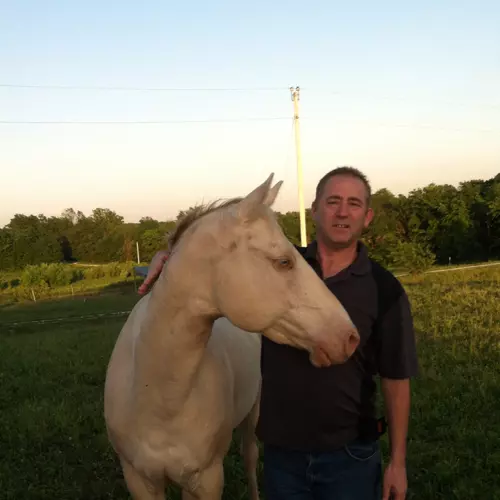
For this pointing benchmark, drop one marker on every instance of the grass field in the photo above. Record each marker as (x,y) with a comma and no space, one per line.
(52,439)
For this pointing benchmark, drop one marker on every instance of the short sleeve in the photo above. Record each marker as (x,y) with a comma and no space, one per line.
(396,344)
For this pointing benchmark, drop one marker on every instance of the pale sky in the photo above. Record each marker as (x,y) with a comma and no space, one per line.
(407,92)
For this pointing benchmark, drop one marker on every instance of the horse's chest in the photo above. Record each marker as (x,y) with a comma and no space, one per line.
(183,466)
(183,452)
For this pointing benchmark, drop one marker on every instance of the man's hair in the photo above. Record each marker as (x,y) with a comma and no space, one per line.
(353,172)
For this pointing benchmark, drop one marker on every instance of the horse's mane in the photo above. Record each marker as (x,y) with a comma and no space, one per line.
(192,215)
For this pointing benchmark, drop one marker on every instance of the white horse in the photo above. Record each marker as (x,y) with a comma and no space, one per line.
(185,370)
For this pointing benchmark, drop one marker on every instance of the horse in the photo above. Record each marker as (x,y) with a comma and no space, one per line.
(184,372)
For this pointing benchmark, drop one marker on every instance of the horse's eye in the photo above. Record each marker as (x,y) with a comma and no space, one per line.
(284,263)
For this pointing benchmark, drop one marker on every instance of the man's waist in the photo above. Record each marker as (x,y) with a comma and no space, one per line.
(309,439)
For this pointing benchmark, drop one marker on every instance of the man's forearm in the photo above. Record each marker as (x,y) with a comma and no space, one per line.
(397,404)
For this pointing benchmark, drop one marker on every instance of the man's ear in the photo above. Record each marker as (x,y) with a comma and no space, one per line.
(368,217)
(314,208)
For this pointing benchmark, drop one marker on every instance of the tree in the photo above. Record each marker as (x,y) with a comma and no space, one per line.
(437,221)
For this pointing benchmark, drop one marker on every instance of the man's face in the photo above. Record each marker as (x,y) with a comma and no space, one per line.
(341,213)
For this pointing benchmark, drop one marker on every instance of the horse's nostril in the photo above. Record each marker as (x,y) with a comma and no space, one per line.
(352,344)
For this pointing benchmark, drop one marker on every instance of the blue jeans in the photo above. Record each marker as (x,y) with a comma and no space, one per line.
(353,472)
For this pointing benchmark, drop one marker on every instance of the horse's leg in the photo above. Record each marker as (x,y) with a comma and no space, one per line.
(140,487)
(210,483)
(250,451)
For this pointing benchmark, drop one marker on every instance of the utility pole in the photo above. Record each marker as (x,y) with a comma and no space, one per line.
(295,94)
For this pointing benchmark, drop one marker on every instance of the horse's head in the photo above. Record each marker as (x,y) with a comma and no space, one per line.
(254,276)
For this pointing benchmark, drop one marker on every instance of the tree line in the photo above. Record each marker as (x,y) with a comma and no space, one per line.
(433,224)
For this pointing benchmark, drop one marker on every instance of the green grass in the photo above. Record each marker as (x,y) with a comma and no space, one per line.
(114,298)
(454,433)
(52,438)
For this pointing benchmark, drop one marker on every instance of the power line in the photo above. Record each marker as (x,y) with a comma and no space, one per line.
(145,89)
(423,126)
(234,89)
(138,122)
(394,98)
(243,120)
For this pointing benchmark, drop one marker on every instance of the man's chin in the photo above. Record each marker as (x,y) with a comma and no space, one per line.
(342,243)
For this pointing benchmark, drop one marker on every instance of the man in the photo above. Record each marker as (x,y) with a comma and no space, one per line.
(319,426)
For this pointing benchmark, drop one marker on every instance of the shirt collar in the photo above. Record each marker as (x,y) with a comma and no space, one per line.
(360,266)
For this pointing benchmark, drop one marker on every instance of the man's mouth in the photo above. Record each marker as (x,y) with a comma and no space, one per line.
(341,226)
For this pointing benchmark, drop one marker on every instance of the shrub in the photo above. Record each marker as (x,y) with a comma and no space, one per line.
(32,276)
(50,275)
(4,282)
(94,272)
(15,283)
(57,275)
(413,256)
(113,270)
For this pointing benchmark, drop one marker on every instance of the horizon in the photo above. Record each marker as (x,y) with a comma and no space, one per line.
(282,209)
(409,95)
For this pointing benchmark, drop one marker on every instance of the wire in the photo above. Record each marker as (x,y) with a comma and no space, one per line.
(400,125)
(230,89)
(136,122)
(394,98)
(143,89)
(242,120)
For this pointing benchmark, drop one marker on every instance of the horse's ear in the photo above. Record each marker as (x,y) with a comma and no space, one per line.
(273,193)
(248,206)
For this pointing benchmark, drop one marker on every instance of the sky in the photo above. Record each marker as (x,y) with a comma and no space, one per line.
(406,92)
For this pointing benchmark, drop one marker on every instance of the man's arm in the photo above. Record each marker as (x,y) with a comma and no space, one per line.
(397,363)
(396,395)
(154,270)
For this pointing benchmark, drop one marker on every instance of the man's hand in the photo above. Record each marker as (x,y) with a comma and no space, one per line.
(154,271)
(395,482)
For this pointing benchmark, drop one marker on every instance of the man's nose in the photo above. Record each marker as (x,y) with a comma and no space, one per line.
(342,210)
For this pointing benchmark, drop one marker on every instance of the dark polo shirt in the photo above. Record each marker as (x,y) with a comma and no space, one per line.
(318,409)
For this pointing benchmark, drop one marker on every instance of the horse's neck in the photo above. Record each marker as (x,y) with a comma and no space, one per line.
(169,351)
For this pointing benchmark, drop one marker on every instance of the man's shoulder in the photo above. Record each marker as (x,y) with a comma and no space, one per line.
(389,289)
(383,275)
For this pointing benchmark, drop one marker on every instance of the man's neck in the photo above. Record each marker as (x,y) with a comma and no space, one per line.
(333,260)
